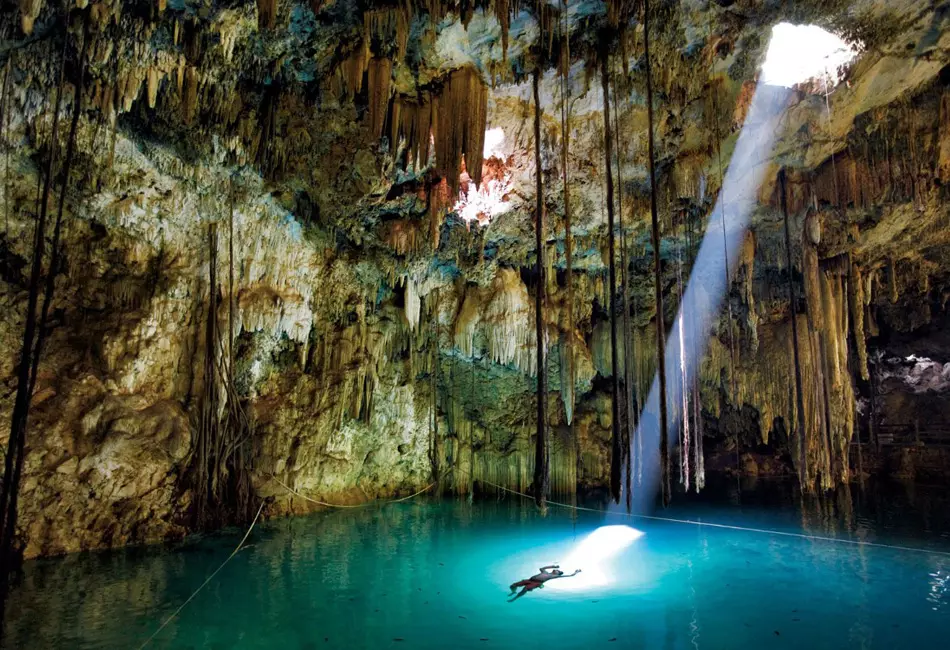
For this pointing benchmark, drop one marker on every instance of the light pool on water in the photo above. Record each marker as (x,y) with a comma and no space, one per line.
(429,574)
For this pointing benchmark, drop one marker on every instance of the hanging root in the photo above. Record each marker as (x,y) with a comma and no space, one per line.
(220,458)
(657,285)
(541,471)
(26,369)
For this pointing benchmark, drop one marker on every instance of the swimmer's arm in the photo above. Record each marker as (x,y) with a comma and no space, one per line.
(544,569)
(566,575)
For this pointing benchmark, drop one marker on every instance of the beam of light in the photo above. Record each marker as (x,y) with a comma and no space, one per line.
(596,557)
(706,288)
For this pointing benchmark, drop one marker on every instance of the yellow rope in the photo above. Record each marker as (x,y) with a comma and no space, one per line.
(207,580)
(358,505)
(630,515)
(248,533)
(553,503)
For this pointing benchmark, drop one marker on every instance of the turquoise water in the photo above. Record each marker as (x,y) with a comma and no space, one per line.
(431,574)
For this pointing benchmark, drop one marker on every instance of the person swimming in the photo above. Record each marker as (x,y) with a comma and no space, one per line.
(537,581)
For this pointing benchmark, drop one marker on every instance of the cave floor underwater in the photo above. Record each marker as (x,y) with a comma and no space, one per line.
(435,574)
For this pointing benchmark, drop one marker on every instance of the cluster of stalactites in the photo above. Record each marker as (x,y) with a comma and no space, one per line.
(453,116)
(350,361)
(502,316)
(470,456)
(100,13)
(621,12)
(29,11)
(905,154)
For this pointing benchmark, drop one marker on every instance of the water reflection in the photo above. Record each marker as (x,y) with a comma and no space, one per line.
(939,585)
(436,575)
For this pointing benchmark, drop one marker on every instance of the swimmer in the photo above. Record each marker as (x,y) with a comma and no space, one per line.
(537,581)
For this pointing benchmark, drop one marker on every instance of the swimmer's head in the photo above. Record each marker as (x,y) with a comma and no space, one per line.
(557,572)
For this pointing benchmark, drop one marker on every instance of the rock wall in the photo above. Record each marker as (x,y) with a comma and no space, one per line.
(378,339)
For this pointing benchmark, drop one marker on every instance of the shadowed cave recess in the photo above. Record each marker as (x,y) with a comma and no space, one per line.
(262,259)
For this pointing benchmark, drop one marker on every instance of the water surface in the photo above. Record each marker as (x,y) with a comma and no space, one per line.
(435,574)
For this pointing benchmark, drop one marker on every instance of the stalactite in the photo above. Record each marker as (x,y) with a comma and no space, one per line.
(792,304)
(892,292)
(943,153)
(189,102)
(154,79)
(460,113)
(657,284)
(29,11)
(821,344)
(856,306)
(388,26)
(541,470)
(455,118)
(266,14)
(353,68)
(439,201)
(412,120)
(616,455)
(505,313)
(503,13)
(380,83)
(811,237)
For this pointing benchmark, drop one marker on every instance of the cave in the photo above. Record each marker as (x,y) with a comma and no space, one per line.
(461,323)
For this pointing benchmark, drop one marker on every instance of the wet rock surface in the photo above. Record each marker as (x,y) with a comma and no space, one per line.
(377,338)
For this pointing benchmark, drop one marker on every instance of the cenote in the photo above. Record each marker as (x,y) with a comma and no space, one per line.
(435,574)
(454,324)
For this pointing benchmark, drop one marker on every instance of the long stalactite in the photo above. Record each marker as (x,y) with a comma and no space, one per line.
(792,307)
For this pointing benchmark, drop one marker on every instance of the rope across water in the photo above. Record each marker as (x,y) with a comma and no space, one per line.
(207,580)
(238,548)
(691,522)
(357,505)
(707,524)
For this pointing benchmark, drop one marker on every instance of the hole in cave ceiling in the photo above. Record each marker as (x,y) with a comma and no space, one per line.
(804,53)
